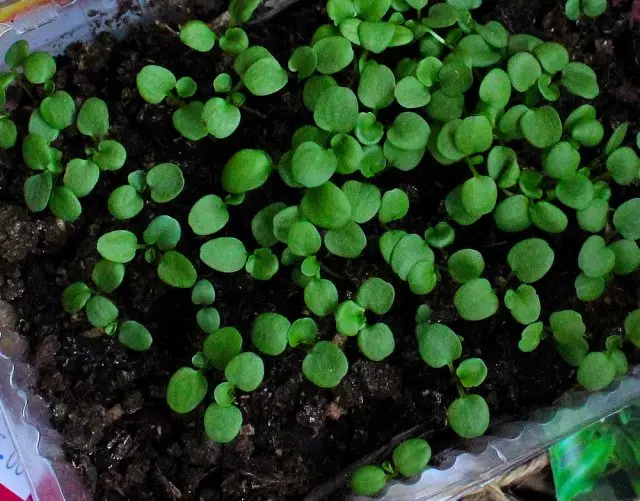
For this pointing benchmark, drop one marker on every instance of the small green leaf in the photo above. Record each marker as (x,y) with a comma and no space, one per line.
(440,236)
(627,255)
(303,61)
(265,77)
(348,241)
(617,138)
(245,371)
(125,202)
(495,88)
(409,131)
(376,342)
(624,165)
(596,371)
(531,259)
(580,80)
(512,214)
(553,56)
(208,319)
(224,254)
(476,300)
(262,264)
(270,333)
(595,258)
(208,215)
(411,249)
(134,336)
(8,133)
(75,297)
(465,265)
(326,206)
(336,110)
(479,195)
(222,424)
(186,87)
(262,224)
(567,326)
(626,219)
(561,161)
(93,118)
(16,53)
(220,118)
(469,416)
(81,176)
(438,344)
(411,93)
(350,318)
(224,394)
(203,293)
(312,165)
(303,239)
(37,191)
(325,365)
(188,121)
(377,85)
(302,331)
(368,480)
(376,295)
(234,41)
(334,54)
(576,191)
(588,288)
(101,311)
(321,297)
(221,346)
(411,456)
(39,67)
(523,303)
(198,36)
(548,217)
(107,275)
(394,206)
(246,170)
(118,246)
(314,88)
(531,337)
(422,277)
(472,372)
(64,204)
(176,270)
(474,135)
(163,232)
(542,126)
(348,152)
(165,181)
(155,83)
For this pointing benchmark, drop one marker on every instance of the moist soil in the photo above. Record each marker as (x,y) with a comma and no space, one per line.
(109,403)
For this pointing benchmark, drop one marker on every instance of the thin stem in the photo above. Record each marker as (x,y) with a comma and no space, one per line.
(602,177)
(472,169)
(456,380)
(439,38)
(165,26)
(253,112)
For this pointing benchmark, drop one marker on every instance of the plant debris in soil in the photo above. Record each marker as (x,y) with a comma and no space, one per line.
(109,403)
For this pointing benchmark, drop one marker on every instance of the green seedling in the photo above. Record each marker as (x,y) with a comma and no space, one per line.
(222,424)
(574,9)
(476,300)
(465,265)
(376,342)
(350,318)
(325,365)
(321,297)
(523,303)
(302,331)
(187,389)
(270,333)
(469,416)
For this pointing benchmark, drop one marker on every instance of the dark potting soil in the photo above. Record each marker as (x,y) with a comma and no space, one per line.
(109,403)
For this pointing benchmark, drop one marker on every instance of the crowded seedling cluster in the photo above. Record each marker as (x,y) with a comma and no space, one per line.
(471,97)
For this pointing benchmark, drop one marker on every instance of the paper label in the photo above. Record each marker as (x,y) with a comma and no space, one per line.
(13,481)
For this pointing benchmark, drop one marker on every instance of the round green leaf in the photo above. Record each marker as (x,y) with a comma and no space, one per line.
(350,318)
(302,331)
(561,161)
(580,80)
(186,87)
(107,275)
(348,241)
(246,170)
(203,293)
(176,270)
(411,93)
(166,182)
(596,371)
(364,199)
(394,206)
(101,311)
(368,480)
(312,165)
(627,255)
(531,337)
(409,250)
(542,126)
(314,88)
(186,390)
(38,67)
(553,56)
(624,165)
(531,259)
(9,133)
(336,110)
(593,218)
(476,300)
(472,372)
(321,297)
(221,346)
(567,326)
(262,224)
(111,155)
(220,118)
(523,303)
(348,152)
(93,118)
(438,344)
(125,202)
(325,365)
(409,131)
(548,217)
(422,277)
(524,71)
(134,336)
(303,239)
(512,214)
(377,86)
(376,295)
(479,195)
(575,191)
(465,265)
(245,371)
(469,416)
(64,204)
(334,54)
(81,176)
(326,206)
(163,232)
(224,254)
(265,77)
(222,424)
(411,456)
(303,61)
(208,215)
(626,219)
(262,264)
(495,88)
(595,258)
(270,333)
(208,319)
(75,297)
(588,288)
(155,83)
(376,342)
(37,191)
(198,36)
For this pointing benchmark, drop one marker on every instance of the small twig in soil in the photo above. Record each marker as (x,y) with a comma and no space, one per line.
(253,112)
(165,26)
(322,491)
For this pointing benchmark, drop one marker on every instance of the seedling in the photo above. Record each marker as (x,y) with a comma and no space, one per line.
(325,365)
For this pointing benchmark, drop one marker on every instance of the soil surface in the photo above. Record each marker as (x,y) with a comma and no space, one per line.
(109,403)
